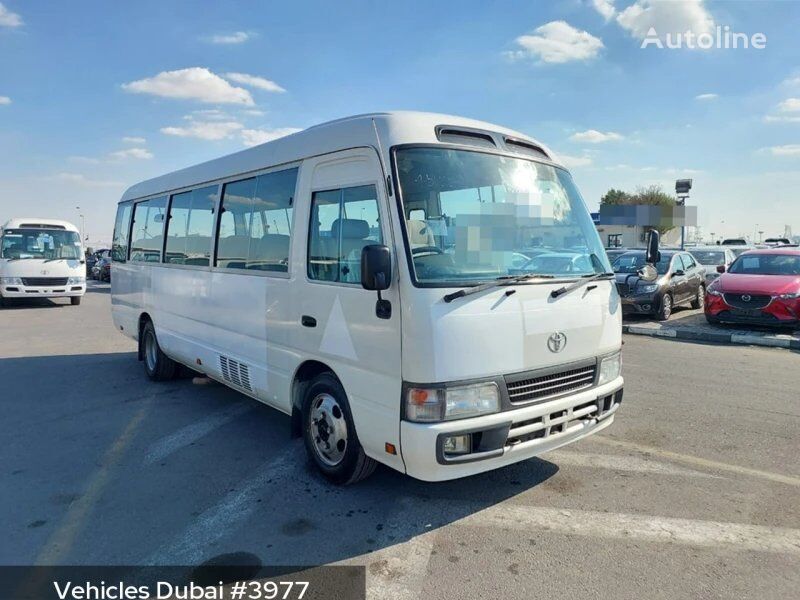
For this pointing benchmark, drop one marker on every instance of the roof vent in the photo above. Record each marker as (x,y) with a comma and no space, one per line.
(523,147)
(452,135)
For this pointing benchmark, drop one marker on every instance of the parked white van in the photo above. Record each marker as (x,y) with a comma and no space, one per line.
(365,277)
(41,258)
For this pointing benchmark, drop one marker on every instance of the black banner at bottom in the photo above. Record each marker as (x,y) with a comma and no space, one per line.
(205,582)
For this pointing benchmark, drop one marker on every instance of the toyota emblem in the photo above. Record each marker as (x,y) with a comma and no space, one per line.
(746,297)
(556,342)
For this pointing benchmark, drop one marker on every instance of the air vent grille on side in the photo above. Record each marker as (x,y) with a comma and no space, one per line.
(235,372)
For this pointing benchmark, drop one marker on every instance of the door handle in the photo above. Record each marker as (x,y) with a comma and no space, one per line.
(308,321)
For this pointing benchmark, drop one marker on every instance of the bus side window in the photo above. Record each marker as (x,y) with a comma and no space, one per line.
(343,221)
(122,225)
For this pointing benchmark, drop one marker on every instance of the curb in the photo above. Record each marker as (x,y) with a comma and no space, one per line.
(716,337)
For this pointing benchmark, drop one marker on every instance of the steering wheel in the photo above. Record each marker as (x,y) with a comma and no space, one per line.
(427,249)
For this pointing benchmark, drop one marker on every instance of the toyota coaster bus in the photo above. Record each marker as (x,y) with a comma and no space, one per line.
(423,291)
(41,258)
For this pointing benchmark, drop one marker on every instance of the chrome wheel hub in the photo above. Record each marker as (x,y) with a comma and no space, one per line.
(328,429)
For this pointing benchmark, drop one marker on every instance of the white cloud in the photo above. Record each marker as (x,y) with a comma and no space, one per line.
(254,81)
(574,161)
(558,42)
(666,17)
(205,130)
(592,136)
(706,97)
(253,137)
(237,37)
(135,153)
(605,8)
(5,100)
(792,81)
(86,160)
(133,140)
(787,150)
(790,105)
(195,83)
(83,181)
(254,112)
(8,18)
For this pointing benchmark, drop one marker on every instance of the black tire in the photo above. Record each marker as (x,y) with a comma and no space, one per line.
(665,311)
(75,300)
(353,465)
(157,365)
(699,299)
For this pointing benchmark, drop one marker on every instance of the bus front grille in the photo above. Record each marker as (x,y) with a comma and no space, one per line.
(44,281)
(552,384)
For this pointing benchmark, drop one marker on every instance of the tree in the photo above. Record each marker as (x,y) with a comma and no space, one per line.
(613,197)
(651,195)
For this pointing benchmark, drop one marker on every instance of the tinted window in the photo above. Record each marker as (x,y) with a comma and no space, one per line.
(342,222)
(122,224)
(191,222)
(148,228)
(631,262)
(256,221)
(767,264)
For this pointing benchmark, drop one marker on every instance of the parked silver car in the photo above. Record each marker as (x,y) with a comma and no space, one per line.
(712,257)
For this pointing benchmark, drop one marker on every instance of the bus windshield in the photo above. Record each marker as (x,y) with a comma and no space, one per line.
(472,216)
(33,243)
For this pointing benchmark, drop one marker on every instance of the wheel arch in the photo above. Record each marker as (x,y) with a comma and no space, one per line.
(303,376)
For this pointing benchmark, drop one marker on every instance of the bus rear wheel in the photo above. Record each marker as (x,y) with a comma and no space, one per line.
(157,365)
(330,433)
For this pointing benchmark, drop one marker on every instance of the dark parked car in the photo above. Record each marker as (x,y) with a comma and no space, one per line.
(613,253)
(102,268)
(761,287)
(681,280)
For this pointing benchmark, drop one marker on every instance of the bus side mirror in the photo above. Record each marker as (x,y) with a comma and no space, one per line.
(653,254)
(376,267)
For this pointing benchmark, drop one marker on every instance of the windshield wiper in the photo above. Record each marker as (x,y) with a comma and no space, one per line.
(585,279)
(503,280)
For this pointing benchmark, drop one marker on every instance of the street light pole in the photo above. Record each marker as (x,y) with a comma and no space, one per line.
(682,187)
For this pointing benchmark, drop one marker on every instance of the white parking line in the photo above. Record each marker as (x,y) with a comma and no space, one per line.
(700,462)
(191,546)
(639,527)
(191,433)
(621,463)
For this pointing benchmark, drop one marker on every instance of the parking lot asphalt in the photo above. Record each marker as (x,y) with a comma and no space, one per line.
(693,492)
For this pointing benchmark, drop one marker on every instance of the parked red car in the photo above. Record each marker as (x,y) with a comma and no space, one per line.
(761,287)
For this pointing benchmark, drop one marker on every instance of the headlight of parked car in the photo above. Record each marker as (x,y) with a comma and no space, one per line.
(712,290)
(11,280)
(610,368)
(789,296)
(444,404)
(647,288)
(75,280)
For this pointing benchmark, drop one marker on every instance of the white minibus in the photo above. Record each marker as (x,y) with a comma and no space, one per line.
(41,258)
(424,291)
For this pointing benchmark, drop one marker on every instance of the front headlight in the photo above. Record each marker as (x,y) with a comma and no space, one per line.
(789,296)
(647,288)
(11,280)
(444,404)
(610,368)
(75,280)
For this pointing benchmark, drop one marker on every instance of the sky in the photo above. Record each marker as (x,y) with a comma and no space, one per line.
(96,96)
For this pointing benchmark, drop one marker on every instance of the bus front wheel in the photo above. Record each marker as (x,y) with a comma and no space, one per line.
(330,434)
(157,365)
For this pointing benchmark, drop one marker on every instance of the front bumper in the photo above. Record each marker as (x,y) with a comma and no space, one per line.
(522,433)
(778,313)
(643,304)
(27,291)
